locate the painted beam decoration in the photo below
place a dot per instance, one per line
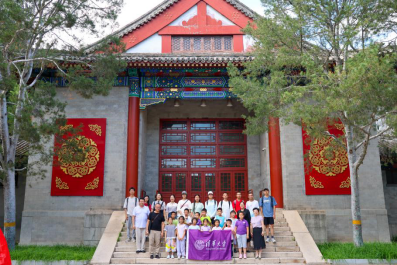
(326, 168)
(82, 178)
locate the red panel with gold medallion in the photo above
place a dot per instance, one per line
(326, 169)
(82, 178)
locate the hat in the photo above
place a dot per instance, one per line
(210, 192)
(184, 192)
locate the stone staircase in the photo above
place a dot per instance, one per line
(285, 251)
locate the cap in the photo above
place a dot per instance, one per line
(184, 192)
(210, 192)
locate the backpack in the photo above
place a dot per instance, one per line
(206, 204)
(222, 204)
(127, 200)
(235, 203)
(271, 201)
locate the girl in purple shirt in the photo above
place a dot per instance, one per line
(241, 230)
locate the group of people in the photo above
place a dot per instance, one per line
(249, 220)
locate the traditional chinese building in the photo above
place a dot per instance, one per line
(172, 123)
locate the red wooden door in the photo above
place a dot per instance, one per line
(199, 155)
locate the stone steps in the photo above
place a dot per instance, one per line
(249, 255)
(267, 249)
(281, 238)
(276, 229)
(290, 243)
(184, 261)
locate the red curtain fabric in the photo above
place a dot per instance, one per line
(326, 169)
(82, 178)
(5, 258)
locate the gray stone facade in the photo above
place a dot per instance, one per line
(337, 207)
(391, 206)
(77, 220)
(51, 219)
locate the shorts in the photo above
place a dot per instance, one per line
(268, 220)
(242, 241)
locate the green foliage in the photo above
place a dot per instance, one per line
(374, 250)
(52, 253)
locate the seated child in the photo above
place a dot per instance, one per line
(216, 227)
(174, 220)
(197, 215)
(188, 219)
(170, 239)
(228, 226)
(204, 215)
(220, 217)
(194, 225)
(206, 226)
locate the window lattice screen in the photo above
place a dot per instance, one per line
(199, 44)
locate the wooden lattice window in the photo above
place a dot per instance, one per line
(200, 44)
(166, 184)
(180, 181)
(239, 181)
(226, 182)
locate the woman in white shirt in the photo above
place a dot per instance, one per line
(159, 200)
(251, 204)
(183, 204)
(196, 206)
(171, 206)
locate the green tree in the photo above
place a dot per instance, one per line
(32, 43)
(319, 61)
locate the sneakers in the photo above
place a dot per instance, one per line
(143, 251)
(168, 257)
(260, 257)
(267, 240)
(245, 256)
(157, 256)
(240, 256)
(273, 240)
(133, 240)
(172, 256)
(128, 240)
(151, 256)
(138, 251)
(179, 257)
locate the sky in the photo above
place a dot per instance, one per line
(135, 8)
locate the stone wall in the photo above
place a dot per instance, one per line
(391, 205)
(336, 207)
(60, 219)
(192, 109)
(95, 222)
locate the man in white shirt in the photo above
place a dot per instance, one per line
(183, 204)
(226, 206)
(139, 219)
(129, 204)
(251, 204)
(211, 205)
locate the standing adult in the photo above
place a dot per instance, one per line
(183, 204)
(139, 219)
(171, 206)
(247, 216)
(196, 206)
(251, 204)
(159, 200)
(226, 206)
(268, 209)
(155, 224)
(236, 203)
(147, 202)
(257, 233)
(211, 205)
(129, 204)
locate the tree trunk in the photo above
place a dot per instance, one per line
(9, 208)
(355, 197)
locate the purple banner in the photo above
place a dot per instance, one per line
(215, 245)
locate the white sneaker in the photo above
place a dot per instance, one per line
(273, 240)
(172, 256)
(168, 257)
(128, 240)
(267, 240)
(133, 240)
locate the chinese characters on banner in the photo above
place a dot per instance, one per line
(215, 245)
(326, 169)
(82, 178)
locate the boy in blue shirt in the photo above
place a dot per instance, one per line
(219, 217)
(267, 205)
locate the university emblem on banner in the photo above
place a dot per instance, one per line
(326, 164)
(84, 176)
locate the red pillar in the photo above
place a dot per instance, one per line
(276, 175)
(132, 144)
